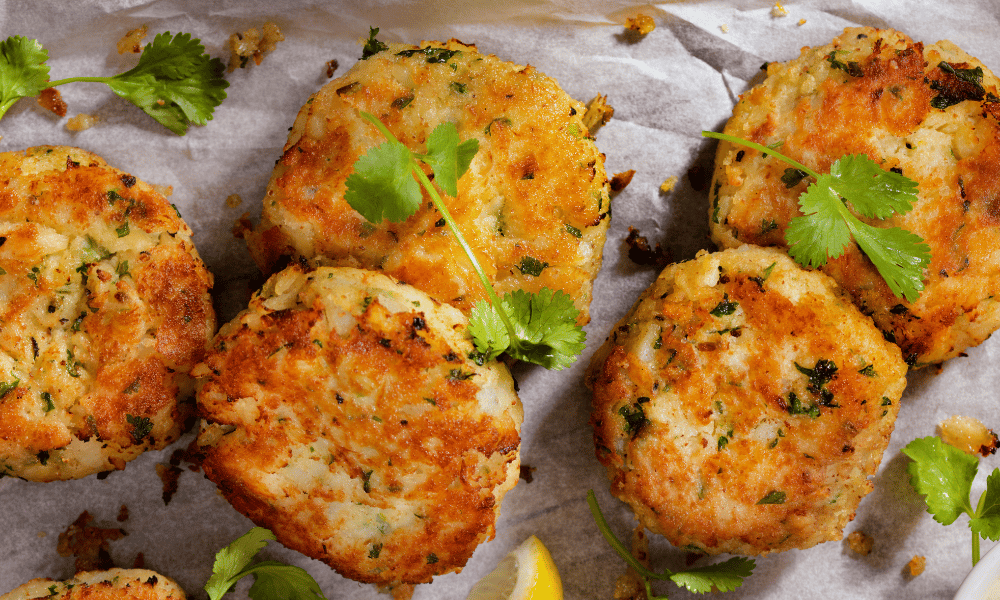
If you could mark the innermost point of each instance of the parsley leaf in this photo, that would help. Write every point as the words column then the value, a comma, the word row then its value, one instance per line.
column 539, row 328
column 175, row 81
column 943, row 474
column 272, row 580
column 827, row 225
column 726, row 576
column 372, row 45
column 23, row 71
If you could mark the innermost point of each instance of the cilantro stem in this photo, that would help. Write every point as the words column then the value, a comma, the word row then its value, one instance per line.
column 764, row 149
column 452, row 225
column 79, row 79
column 621, row 550
column 975, row 536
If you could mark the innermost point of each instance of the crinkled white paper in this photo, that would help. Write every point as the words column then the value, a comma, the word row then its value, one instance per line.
column 680, row 79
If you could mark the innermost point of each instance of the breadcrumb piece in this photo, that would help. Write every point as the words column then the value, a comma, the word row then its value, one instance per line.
column 51, row 100
column 164, row 190
column 724, row 28
column 642, row 24
column 778, row 10
column 599, row 112
column 916, row 565
column 253, row 44
column 132, row 41
column 89, row 544
column 668, row 184
column 640, row 252
column 802, row 22
column 81, row 122
column 621, row 180
column 331, row 68
column 233, row 200
column 860, row 542
column 968, row 435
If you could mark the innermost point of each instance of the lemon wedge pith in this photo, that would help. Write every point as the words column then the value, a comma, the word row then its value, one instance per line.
column 526, row 573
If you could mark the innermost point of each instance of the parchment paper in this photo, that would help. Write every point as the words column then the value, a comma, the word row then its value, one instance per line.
column 681, row 78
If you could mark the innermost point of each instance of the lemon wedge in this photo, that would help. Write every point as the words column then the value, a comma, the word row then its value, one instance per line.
column 526, row 573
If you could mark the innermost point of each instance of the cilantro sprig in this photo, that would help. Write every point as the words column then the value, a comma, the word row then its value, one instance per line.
column 943, row 474
column 827, row 224
column 175, row 81
column 539, row 328
column 272, row 580
column 725, row 576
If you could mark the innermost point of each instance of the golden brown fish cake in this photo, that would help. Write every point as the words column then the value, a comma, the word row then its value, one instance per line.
column 104, row 306
column 113, row 584
column 742, row 403
column 343, row 413
column 881, row 102
column 536, row 194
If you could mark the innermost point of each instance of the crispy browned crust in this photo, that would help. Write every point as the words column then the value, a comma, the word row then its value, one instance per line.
column 381, row 450
column 105, row 308
column 699, row 378
column 537, row 188
column 113, row 584
column 883, row 110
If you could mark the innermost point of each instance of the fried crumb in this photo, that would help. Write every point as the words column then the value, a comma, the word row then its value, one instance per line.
column 233, row 200
column 164, row 190
column 242, row 226
column 253, row 44
column 916, row 565
column 331, row 68
column 629, row 586
column 860, row 542
column 132, row 41
column 778, row 10
column 42, row 534
column 527, row 473
column 89, row 544
column 641, row 24
column 668, row 184
column 802, row 22
column 81, row 122
column 640, row 253
column 123, row 514
column 170, row 476
column 599, row 112
column 724, row 28
column 621, row 180
column 51, row 100
column 968, row 435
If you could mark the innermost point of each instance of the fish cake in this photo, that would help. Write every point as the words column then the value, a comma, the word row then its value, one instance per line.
column 742, row 403
column 533, row 205
column 113, row 584
column 105, row 307
column 912, row 109
column 342, row 412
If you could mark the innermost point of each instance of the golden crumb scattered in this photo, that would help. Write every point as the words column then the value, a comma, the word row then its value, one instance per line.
column 132, row 41
column 802, row 22
column 916, row 565
column 668, row 184
column 331, row 68
column 724, row 28
column 860, row 542
column 81, row 122
column 164, row 190
column 42, row 534
column 599, row 112
column 233, row 200
column 51, row 100
column 621, row 180
column 642, row 24
column 778, row 10
column 968, row 435
column 641, row 253
column 253, row 44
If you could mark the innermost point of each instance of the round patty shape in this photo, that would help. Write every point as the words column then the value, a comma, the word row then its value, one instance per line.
column 742, row 403
column 104, row 309
column 533, row 205
column 915, row 110
column 342, row 412
column 113, row 584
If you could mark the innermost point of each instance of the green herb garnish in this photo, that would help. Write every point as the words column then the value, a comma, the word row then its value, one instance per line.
column 272, row 580
column 827, row 224
column 539, row 328
column 943, row 474
column 175, row 81
column 372, row 46
column 725, row 576
column 141, row 426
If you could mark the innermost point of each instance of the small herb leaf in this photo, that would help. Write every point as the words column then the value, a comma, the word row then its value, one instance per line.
column 943, row 474
column 384, row 173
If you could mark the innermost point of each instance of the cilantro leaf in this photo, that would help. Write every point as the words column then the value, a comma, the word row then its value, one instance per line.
column 943, row 474
column 872, row 191
column 489, row 334
column 546, row 329
column 382, row 184
column 372, row 45
column 987, row 523
column 726, row 576
column 231, row 560
column 447, row 157
column 277, row 581
column 23, row 71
